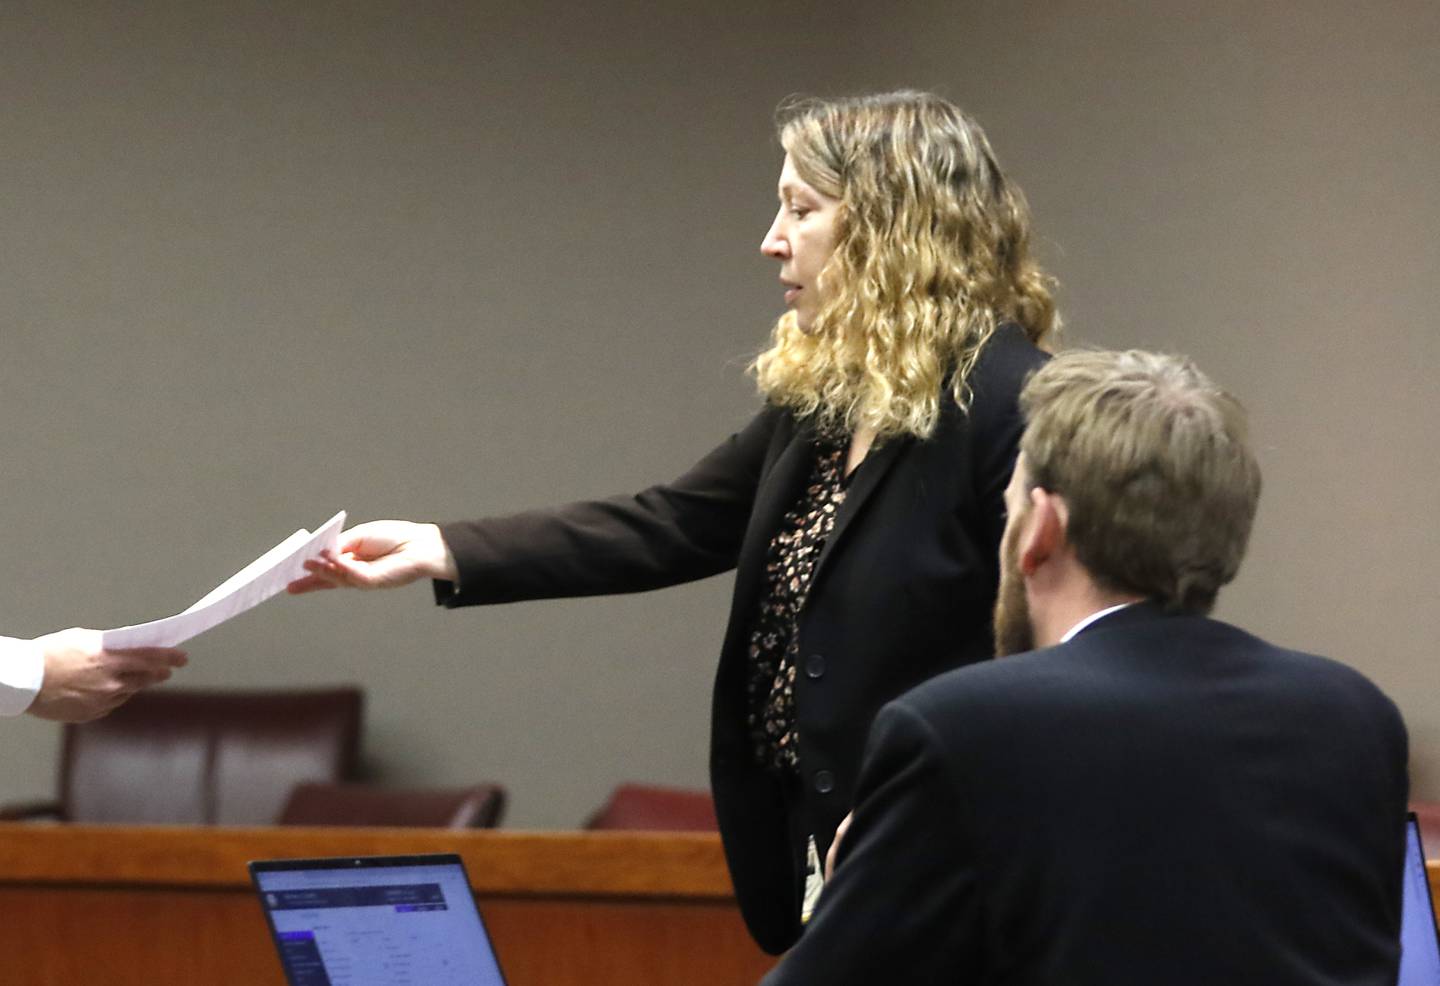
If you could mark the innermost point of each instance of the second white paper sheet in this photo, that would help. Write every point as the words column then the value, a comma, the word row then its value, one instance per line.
column 246, row 589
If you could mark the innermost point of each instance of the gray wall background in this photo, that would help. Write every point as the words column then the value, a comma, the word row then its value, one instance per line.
column 259, row 262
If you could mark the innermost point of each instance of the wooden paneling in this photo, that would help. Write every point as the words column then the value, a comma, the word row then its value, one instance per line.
column 144, row 906
column 1432, row 869
column 123, row 906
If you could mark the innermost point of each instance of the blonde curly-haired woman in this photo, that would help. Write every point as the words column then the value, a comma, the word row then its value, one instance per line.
column 861, row 508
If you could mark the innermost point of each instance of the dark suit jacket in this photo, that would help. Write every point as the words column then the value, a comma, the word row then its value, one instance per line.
column 902, row 591
column 1163, row 800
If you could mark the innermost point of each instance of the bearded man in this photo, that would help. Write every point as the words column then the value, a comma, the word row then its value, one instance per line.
column 1145, row 795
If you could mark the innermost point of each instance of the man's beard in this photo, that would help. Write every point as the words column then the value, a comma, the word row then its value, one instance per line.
column 1014, row 633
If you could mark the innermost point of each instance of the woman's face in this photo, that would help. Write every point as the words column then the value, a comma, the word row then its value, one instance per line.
column 802, row 237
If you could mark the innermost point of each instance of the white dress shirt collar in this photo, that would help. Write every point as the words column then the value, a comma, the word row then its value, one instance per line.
column 1099, row 614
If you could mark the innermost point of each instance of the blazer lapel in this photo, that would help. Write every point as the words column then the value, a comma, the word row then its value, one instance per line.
column 867, row 479
column 777, row 494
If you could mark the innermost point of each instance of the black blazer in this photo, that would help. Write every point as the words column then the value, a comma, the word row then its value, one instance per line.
column 902, row 591
column 1164, row 799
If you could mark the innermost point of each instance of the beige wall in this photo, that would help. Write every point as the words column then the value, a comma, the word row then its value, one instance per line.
column 432, row 261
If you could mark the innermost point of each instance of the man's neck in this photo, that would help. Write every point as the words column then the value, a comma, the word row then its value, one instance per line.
column 1065, row 612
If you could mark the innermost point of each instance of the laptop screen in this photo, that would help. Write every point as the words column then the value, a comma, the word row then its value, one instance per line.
column 1419, row 942
column 376, row 921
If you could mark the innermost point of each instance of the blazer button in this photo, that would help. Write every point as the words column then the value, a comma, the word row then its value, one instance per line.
column 824, row 781
column 815, row 666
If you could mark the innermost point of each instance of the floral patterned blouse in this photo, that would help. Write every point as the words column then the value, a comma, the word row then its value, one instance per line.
column 774, row 647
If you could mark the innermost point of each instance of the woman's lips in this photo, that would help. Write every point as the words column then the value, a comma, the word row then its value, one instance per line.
column 791, row 290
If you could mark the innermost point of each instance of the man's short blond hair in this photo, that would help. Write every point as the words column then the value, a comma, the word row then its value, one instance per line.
column 1154, row 463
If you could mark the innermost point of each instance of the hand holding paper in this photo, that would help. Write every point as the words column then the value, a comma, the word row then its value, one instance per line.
column 383, row 554
column 84, row 681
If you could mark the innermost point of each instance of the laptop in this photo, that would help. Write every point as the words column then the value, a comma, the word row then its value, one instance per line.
column 376, row 921
column 1419, row 940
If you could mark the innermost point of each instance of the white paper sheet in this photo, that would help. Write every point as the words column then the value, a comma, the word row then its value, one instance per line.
column 246, row 589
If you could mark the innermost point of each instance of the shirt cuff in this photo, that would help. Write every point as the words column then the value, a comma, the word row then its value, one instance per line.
column 22, row 669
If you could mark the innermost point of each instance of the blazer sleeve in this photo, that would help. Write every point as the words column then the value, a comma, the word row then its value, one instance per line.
column 665, row 535
column 903, row 904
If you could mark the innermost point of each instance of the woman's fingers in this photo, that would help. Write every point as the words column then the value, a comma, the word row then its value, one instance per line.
column 381, row 554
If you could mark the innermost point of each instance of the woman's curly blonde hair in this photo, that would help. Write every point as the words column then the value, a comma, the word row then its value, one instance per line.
column 933, row 253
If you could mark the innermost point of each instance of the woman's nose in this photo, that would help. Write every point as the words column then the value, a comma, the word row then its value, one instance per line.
column 774, row 244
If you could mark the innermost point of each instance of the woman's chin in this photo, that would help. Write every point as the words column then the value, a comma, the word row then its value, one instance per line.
column 788, row 322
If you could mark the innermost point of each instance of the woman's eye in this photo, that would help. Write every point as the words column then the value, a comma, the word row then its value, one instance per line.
column 799, row 211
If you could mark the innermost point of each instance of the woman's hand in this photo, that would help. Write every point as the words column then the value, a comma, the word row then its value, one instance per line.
column 383, row 554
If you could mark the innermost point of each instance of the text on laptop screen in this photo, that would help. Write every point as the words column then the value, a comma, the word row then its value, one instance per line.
column 378, row 926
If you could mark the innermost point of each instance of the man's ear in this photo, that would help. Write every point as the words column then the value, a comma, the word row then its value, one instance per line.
column 1044, row 533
